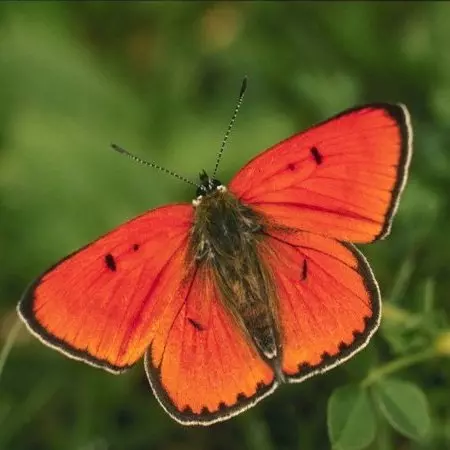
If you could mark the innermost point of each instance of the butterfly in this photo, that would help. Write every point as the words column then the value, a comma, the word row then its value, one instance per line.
column 254, row 285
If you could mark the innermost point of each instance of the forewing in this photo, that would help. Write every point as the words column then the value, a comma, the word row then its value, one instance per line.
column 202, row 367
column 341, row 178
column 103, row 304
column 328, row 301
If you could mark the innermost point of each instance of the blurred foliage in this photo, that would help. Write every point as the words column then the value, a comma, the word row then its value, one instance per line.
column 161, row 79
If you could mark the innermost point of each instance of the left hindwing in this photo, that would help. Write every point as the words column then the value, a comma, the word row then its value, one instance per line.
column 341, row 178
column 201, row 366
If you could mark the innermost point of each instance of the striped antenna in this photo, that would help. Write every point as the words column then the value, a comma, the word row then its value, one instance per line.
column 230, row 126
column 152, row 164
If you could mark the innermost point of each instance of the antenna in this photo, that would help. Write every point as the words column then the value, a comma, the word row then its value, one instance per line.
column 230, row 126
column 151, row 164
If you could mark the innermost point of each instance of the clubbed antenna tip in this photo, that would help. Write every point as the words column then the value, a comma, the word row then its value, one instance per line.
column 243, row 87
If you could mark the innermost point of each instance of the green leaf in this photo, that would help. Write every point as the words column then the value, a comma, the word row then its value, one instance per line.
column 351, row 421
column 405, row 407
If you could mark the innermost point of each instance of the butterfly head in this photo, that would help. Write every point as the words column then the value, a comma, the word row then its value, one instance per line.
column 206, row 187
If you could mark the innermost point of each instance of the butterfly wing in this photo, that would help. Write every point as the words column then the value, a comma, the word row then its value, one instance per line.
column 338, row 181
column 202, row 367
column 341, row 178
column 136, row 288
column 328, row 301
column 104, row 303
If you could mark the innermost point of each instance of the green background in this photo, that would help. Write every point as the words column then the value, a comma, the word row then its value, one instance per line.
column 161, row 79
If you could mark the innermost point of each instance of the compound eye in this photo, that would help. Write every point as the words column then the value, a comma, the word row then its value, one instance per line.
column 215, row 183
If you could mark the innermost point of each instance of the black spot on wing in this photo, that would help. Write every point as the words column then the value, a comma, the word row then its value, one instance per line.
column 318, row 158
column 222, row 406
column 291, row 167
column 304, row 367
column 260, row 386
column 188, row 411
column 110, row 262
column 304, row 273
column 196, row 325
column 135, row 247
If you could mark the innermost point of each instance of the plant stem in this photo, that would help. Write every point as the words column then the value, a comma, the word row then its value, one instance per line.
column 8, row 344
column 397, row 365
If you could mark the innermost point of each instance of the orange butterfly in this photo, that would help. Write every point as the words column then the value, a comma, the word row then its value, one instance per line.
column 253, row 286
